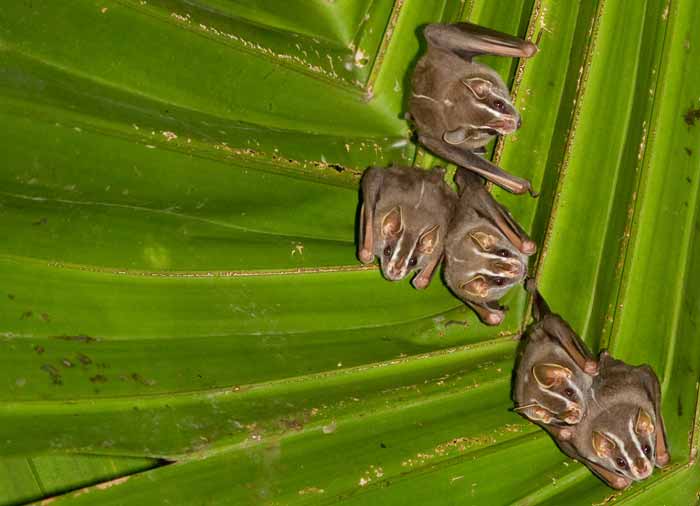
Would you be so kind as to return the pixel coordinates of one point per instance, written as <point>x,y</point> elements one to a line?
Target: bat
<point>403,220</point>
<point>622,437</point>
<point>458,105</point>
<point>486,251</point>
<point>554,372</point>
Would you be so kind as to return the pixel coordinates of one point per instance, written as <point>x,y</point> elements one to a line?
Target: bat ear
<point>477,286</point>
<point>602,444</point>
<point>644,423</point>
<point>429,240</point>
<point>454,137</point>
<point>547,375</point>
<point>478,86</point>
<point>392,224</point>
<point>485,241</point>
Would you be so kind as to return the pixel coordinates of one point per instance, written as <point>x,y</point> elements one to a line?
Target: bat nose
<point>642,467</point>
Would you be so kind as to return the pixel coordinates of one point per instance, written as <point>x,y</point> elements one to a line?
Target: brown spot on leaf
<point>45,317</point>
<point>39,349</point>
<point>10,296</point>
<point>111,483</point>
<point>53,373</point>
<point>41,221</point>
<point>98,378</point>
<point>26,315</point>
<point>84,359</point>
<point>688,151</point>
<point>80,338</point>
<point>140,379</point>
<point>690,116</point>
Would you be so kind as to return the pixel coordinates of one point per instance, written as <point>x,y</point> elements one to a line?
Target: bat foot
<point>495,318</point>
<point>662,459</point>
<point>619,483</point>
<point>529,247</point>
<point>565,434</point>
<point>532,192</point>
<point>590,367</point>
<point>419,283</point>
<point>365,256</point>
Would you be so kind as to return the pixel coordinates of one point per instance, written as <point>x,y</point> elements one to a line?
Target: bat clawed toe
<point>529,49</point>
<point>494,318</point>
<point>419,282</point>
<point>590,367</point>
<point>529,247</point>
<point>662,459</point>
<point>619,483</point>
<point>365,256</point>
<point>565,434</point>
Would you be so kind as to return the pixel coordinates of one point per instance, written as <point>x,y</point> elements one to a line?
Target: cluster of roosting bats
<point>602,412</point>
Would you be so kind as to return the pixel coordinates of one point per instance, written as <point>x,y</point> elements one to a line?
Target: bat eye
<point>387,251</point>
<point>499,105</point>
<point>499,281</point>
<point>413,261</point>
<point>621,463</point>
<point>503,253</point>
<point>647,450</point>
<point>569,392</point>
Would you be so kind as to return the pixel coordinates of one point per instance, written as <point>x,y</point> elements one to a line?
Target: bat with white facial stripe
<point>622,437</point>
<point>403,221</point>
<point>554,372</point>
<point>486,251</point>
<point>459,105</point>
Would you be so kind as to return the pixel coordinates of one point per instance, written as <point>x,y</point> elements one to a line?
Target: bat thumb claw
<point>533,193</point>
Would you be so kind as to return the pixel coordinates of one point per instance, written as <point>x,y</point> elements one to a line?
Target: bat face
<point>482,264</point>
<point>550,387</point>
<point>458,105</point>
<point>622,441</point>
<point>404,220</point>
<point>561,391</point>
<point>404,247</point>
<point>477,107</point>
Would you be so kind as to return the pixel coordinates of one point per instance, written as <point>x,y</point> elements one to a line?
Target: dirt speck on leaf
<point>80,338</point>
<point>53,373</point>
<point>691,115</point>
<point>111,483</point>
<point>83,359</point>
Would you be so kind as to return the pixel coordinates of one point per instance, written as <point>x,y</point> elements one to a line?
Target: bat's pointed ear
<point>644,424</point>
<point>602,444</point>
<point>392,225</point>
<point>479,86</point>
<point>454,137</point>
<point>485,241</point>
<point>476,287</point>
<point>429,240</point>
<point>547,375</point>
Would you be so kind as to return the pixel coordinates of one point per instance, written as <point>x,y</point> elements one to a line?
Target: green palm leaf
<point>184,320</point>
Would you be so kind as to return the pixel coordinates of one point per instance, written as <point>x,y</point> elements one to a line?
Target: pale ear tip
<point>663,459</point>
